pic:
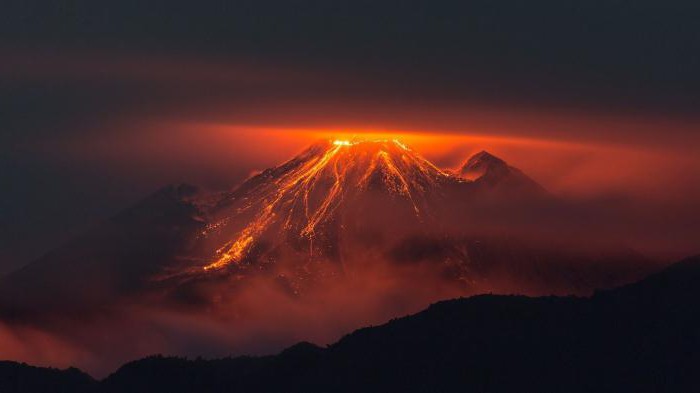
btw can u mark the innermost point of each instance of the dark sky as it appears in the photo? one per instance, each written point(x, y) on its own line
point(76, 74)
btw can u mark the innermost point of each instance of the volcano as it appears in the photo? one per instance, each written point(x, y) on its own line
point(336, 209)
point(332, 189)
point(486, 168)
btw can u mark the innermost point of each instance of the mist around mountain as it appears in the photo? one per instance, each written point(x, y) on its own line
point(643, 337)
point(344, 235)
point(338, 208)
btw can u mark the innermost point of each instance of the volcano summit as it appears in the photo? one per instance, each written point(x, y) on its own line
point(329, 186)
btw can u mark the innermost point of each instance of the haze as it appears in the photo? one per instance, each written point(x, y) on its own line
point(101, 105)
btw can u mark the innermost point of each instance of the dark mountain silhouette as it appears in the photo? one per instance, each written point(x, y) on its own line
point(21, 377)
point(643, 337)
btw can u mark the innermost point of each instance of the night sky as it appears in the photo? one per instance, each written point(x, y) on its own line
point(101, 103)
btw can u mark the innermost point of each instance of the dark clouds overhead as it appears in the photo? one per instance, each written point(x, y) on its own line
point(610, 55)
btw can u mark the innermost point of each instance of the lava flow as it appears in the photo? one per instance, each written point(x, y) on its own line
point(298, 197)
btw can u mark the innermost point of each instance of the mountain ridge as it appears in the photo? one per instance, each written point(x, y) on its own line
point(485, 343)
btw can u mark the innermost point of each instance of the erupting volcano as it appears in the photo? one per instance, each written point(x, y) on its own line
point(338, 209)
point(345, 234)
point(330, 186)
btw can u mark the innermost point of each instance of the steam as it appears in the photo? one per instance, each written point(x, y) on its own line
point(260, 317)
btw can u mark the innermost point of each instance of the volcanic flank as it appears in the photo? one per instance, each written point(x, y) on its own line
point(331, 186)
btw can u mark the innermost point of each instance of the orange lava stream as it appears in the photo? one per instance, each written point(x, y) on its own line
point(310, 171)
point(335, 162)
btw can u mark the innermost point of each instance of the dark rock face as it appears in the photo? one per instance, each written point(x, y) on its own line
point(20, 377)
point(644, 337)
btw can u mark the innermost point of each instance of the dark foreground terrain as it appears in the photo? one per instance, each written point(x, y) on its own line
point(643, 337)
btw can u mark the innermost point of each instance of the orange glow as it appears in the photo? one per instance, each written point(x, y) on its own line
point(350, 165)
point(219, 156)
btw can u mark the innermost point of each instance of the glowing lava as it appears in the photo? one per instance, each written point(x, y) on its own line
point(296, 198)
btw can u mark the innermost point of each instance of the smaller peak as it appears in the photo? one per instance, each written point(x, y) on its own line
point(482, 161)
point(489, 169)
point(481, 164)
point(484, 156)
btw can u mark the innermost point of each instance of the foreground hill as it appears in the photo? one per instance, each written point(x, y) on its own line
point(644, 337)
point(20, 377)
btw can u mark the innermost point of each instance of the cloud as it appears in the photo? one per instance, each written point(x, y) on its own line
point(259, 317)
